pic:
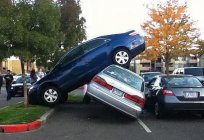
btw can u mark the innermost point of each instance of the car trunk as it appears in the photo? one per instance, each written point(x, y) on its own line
point(188, 93)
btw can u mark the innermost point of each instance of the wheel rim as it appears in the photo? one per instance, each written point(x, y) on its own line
point(50, 95)
point(156, 109)
point(121, 57)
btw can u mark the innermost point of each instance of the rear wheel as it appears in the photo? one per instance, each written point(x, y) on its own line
point(51, 96)
point(121, 57)
point(158, 111)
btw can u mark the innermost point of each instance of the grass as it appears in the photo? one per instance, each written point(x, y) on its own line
point(17, 113)
point(75, 98)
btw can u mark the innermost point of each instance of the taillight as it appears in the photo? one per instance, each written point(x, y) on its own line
point(102, 82)
point(167, 92)
point(133, 34)
point(135, 99)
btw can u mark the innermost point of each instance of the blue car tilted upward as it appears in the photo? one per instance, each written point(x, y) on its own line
point(79, 65)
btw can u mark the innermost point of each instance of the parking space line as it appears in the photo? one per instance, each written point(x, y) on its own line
point(144, 126)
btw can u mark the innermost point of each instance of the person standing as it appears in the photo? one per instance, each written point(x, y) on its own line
point(8, 78)
point(33, 76)
point(1, 82)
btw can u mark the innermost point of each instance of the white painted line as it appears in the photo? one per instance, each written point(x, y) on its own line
point(144, 126)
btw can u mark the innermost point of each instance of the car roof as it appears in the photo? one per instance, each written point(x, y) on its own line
point(150, 73)
point(175, 75)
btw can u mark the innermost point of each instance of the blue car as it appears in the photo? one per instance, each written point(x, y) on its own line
point(79, 65)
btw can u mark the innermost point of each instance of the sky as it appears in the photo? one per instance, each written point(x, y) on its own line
point(117, 16)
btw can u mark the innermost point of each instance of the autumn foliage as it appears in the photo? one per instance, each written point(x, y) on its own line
point(169, 32)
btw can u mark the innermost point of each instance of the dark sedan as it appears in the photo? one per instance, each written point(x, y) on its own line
point(78, 66)
point(175, 93)
point(17, 86)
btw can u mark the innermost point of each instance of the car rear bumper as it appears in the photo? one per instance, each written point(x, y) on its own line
point(111, 99)
point(137, 50)
point(184, 106)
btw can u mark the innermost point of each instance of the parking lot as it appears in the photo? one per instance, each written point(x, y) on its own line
point(97, 121)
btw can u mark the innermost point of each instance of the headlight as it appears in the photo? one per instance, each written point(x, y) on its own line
point(11, 88)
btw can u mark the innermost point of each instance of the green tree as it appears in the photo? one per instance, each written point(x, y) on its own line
point(36, 31)
point(72, 23)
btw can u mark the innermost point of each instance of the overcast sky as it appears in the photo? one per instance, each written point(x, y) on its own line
point(115, 16)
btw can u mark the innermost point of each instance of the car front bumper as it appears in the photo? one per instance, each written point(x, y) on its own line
point(111, 99)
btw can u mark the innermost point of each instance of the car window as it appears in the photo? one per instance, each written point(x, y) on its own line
point(93, 44)
point(148, 77)
point(152, 82)
point(194, 71)
point(182, 82)
point(73, 54)
point(125, 77)
point(20, 80)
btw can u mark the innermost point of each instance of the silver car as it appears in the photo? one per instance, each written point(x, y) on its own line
point(119, 88)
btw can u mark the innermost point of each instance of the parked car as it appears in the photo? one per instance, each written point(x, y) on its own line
point(17, 86)
point(175, 93)
point(149, 75)
point(119, 88)
point(79, 65)
point(195, 71)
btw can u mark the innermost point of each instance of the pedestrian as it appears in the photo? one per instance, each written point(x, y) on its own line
point(1, 82)
point(8, 78)
point(33, 76)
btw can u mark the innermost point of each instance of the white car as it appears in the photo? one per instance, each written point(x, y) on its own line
point(119, 88)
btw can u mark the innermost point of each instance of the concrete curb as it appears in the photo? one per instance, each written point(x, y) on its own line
point(12, 128)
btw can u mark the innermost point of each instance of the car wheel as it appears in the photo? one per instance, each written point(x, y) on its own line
point(158, 111)
point(64, 98)
point(51, 96)
point(121, 57)
point(87, 99)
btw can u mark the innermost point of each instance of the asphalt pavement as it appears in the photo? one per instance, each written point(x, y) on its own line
point(77, 121)
point(4, 103)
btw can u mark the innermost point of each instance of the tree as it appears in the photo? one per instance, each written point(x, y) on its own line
point(169, 32)
point(5, 12)
point(35, 30)
point(72, 23)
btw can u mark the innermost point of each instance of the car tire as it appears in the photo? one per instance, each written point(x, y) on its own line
point(87, 99)
point(64, 98)
point(158, 111)
point(121, 57)
point(51, 96)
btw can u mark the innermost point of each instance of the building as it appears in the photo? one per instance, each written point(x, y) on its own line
point(143, 65)
point(14, 65)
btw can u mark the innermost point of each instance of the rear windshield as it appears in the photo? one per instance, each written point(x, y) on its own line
point(181, 82)
point(194, 71)
point(125, 77)
point(148, 77)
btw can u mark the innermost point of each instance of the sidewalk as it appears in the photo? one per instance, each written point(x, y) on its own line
point(4, 103)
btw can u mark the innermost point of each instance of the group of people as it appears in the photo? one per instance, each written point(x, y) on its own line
point(7, 79)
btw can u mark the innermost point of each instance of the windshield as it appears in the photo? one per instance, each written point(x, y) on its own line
point(181, 82)
point(125, 77)
point(148, 77)
point(20, 80)
point(194, 71)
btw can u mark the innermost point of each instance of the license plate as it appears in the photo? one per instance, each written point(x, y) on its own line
point(117, 92)
point(191, 95)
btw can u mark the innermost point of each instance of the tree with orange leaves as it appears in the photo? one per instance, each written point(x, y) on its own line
point(169, 32)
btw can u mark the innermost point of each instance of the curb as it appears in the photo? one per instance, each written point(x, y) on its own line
point(12, 128)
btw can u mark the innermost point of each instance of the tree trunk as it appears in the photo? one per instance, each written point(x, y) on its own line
point(24, 84)
point(167, 66)
point(1, 66)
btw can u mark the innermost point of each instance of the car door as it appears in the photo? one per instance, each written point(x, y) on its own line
point(95, 57)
